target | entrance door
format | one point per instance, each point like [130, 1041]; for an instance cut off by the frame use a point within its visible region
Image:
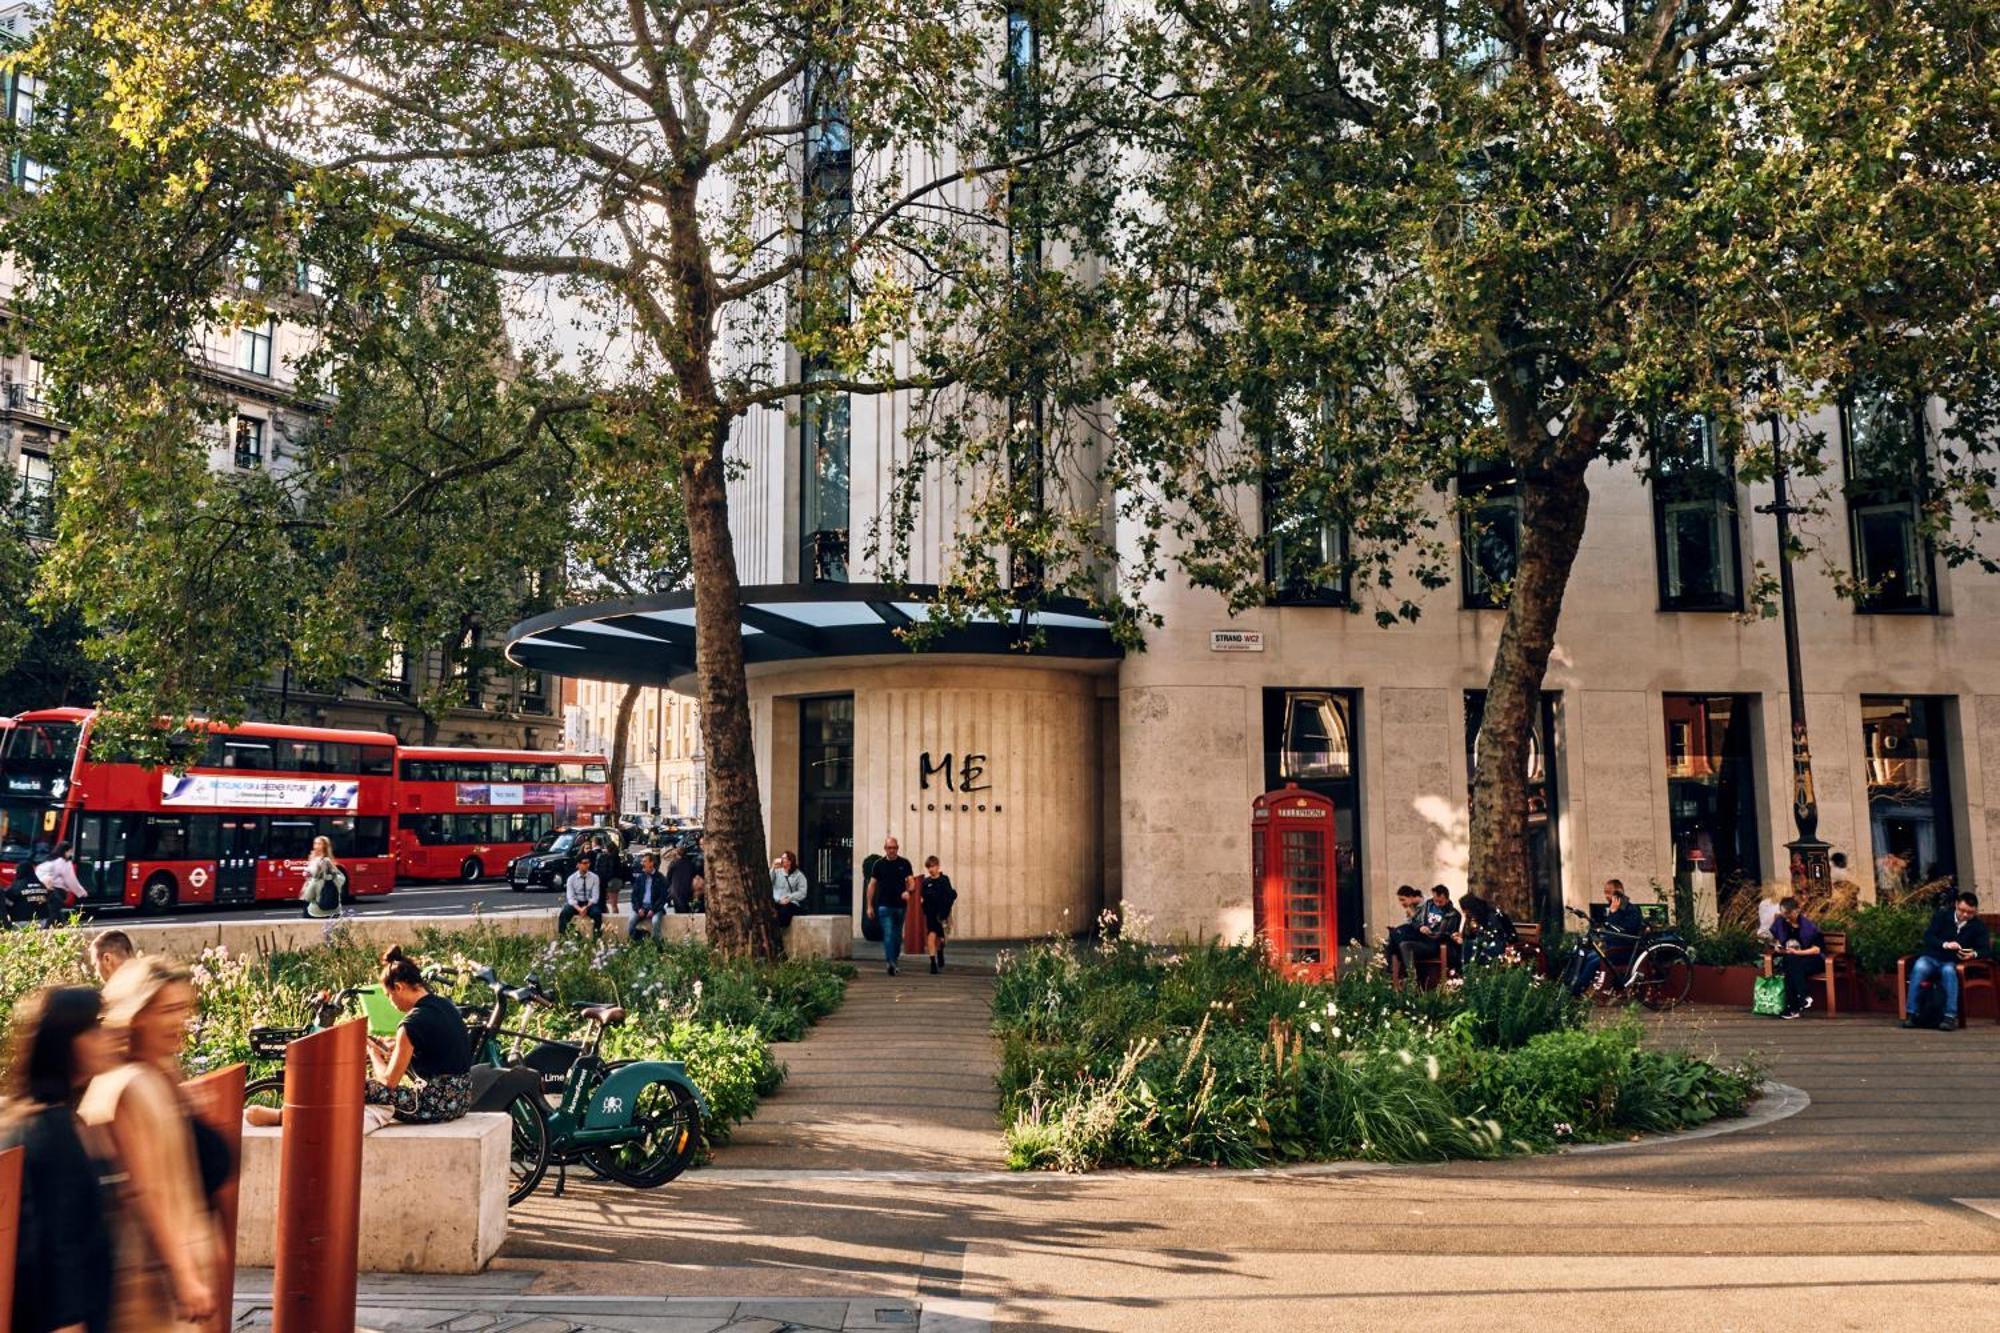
[826, 802]
[240, 845]
[100, 855]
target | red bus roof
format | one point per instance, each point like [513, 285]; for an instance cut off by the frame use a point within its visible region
[276, 730]
[480, 752]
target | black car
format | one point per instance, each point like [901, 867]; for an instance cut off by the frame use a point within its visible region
[554, 859]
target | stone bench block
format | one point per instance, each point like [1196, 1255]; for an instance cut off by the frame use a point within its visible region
[433, 1197]
[820, 937]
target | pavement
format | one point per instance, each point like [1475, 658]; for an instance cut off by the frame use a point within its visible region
[412, 899]
[870, 1183]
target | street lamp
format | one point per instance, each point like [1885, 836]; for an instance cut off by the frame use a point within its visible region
[1811, 869]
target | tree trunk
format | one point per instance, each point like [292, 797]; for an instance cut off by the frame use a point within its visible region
[619, 746]
[1553, 509]
[737, 869]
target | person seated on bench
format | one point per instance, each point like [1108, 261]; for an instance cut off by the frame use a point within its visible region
[1407, 898]
[788, 888]
[1956, 935]
[423, 1076]
[1799, 953]
[1436, 922]
[1617, 938]
[1488, 934]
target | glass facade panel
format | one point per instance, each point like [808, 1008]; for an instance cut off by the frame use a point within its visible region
[1694, 517]
[826, 802]
[1909, 793]
[1309, 738]
[1884, 446]
[1712, 796]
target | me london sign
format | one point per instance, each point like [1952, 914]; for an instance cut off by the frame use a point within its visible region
[954, 785]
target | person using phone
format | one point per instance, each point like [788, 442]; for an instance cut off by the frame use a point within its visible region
[1798, 952]
[1956, 935]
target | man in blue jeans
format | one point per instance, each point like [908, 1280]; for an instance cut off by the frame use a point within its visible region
[888, 887]
[1956, 935]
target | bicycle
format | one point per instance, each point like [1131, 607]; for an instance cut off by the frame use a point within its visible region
[636, 1122]
[1659, 974]
[494, 1087]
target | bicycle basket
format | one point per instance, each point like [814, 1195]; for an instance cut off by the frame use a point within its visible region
[270, 1043]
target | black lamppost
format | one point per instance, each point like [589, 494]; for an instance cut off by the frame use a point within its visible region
[1809, 864]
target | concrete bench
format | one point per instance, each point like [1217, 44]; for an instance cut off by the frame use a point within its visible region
[433, 1197]
[806, 937]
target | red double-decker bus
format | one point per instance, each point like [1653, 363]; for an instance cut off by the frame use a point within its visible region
[464, 814]
[234, 825]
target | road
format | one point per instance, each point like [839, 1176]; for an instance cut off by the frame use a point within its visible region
[490, 896]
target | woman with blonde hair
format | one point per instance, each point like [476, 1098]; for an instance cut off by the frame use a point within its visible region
[168, 1242]
[325, 880]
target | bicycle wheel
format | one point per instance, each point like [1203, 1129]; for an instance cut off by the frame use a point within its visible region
[667, 1124]
[528, 1153]
[265, 1092]
[1663, 978]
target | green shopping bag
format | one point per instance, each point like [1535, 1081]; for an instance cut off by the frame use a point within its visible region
[1767, 996]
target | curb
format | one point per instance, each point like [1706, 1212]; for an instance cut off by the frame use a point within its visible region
[1776, 1101]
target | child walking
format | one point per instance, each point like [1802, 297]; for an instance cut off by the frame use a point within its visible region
[937, 896]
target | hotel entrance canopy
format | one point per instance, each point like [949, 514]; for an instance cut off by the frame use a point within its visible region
[650, 640]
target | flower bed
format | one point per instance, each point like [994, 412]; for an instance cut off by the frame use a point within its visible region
[1123, 1055]
[682, 1000]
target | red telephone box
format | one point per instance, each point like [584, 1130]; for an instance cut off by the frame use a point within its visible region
[1292, 845]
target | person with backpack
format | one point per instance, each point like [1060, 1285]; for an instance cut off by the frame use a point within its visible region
[326, 881]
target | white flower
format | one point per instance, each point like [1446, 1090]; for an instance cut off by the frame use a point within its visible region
[1315, 1025]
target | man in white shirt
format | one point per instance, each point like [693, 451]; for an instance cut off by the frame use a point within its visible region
[583, 894]
[58, 876]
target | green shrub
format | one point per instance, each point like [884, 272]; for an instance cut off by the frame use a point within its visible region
[1878, 934]
[1725, 945]
[1125, 1055]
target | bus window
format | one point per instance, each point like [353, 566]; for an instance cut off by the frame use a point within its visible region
[470, 828]
[428, 828]
[377, 759]
[41, 747]
[204, 836]
[371, 835]
[242, 752]
[596, 773]
[291, 838]
[571, 773]
[164, 838]
[520, 772]
[338, 830]
[308, 757]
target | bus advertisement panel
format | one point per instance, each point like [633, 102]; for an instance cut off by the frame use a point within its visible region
[235, 826]
[464, 814]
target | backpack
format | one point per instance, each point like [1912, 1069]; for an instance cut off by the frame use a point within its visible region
[1930, 1003]
[331, 887]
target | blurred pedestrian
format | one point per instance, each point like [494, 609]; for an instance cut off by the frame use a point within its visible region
[63, 1254]
[683, 880]
[325, 880]
[609, 863]
[58, 877]
[166, 1236]
[109, 951]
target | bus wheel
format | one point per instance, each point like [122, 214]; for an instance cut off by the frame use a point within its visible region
[160, 893]
[472, 872]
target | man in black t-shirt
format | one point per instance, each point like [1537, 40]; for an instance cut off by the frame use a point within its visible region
[888, 889]
[683, 881]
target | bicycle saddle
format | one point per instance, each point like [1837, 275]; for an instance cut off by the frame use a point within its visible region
[609, 1015]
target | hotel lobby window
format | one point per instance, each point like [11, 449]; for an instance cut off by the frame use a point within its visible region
[1882, 446]
[1544, 842]
[1909, 792]
[1712, 795]
[1489, 532]
[1694, 517]
[1309, 738]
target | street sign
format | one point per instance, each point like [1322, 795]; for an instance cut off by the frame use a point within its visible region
[1236, 641]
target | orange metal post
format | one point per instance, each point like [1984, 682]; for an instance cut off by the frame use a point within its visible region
[218, 1099]
[319, 1182]
[10, 1225]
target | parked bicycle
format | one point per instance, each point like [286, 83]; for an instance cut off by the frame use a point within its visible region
[1659, 972]
[637, 1122]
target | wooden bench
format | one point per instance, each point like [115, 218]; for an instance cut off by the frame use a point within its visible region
[1836, 965]
[1529, 933]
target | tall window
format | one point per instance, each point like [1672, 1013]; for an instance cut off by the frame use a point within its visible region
[1544, 842]
[1711, 795]
[24, 96]
[826, 434]
[1305, 547]
[1310, 737]
[253, 347]
[395, 665]
[1694, 517]
[1909, 792]
[1027, 396]
[1883, 447]
[249, 442]
[35, 494]
[1466, 37]
[1489, 532]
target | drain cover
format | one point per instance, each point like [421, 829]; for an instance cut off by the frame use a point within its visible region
[895, 1316]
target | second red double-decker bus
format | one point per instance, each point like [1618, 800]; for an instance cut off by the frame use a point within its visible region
[235, 824]
[464, 814]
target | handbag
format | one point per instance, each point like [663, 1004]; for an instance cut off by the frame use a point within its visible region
[1767, 996]
[871, 927]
